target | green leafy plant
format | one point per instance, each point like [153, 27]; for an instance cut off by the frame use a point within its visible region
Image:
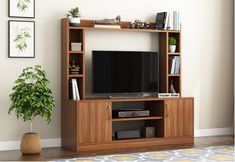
[23, 5]
[172, 41]
[21, 37]
[31, 96]
[73, 12]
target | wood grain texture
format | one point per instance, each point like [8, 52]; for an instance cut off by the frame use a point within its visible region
[94, 122]
[163, 60]
[136, 143]
[70, 126]
[188, 117]
[179, 118]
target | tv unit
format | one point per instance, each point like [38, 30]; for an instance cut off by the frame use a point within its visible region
[119, 72]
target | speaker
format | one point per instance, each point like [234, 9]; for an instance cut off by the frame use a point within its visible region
[128, 134]
[149, 132]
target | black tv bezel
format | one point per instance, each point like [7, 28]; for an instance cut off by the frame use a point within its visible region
[137, 93]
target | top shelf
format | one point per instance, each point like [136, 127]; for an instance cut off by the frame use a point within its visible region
[126, 29]
[125, 26]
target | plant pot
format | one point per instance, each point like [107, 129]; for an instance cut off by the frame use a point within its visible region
[172, 48]
[30, 143]
[74, 21]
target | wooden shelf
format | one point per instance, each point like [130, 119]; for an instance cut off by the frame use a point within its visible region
[137, 139]
[135, 119]
[125, 29]
[174, 75]
[174, 54]
[75, 75]
[76, 52]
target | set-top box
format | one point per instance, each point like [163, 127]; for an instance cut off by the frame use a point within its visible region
[130, 113]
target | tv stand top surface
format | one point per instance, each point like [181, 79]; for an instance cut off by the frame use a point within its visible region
[129, 95]
[142, 99]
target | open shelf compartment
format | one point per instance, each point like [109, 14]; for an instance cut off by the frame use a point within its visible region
[154, 121]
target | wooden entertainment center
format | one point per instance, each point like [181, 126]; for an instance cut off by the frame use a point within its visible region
[88, 124]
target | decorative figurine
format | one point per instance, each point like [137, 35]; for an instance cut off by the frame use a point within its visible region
[118, 18]
[74, 68]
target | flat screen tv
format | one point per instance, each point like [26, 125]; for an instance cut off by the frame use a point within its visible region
[125, 72]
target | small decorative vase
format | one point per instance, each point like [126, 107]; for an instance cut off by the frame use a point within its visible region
[172, 48]
[75, 21]
[30, 144]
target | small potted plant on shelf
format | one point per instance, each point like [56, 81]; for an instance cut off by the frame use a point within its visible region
[32, 97]
[74, 16]
[172, 44]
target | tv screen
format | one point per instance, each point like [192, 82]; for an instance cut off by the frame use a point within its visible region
[125, 71]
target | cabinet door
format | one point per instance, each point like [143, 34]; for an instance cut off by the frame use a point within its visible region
[188, 117]
[179, 118]
[94, 122]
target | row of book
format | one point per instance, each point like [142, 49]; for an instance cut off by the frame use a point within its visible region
[168, 20]
[74, 90]
[174, 64]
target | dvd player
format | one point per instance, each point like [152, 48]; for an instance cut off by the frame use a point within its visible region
[130, 113]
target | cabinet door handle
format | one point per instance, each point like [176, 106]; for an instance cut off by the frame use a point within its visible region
[110, 112]
[167, 110]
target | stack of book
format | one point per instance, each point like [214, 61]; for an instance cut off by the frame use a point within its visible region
[75, 92]
[174, 64]
[107, 23]
[168, 21]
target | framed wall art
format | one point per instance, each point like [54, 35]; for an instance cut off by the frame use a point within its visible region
[21, 8]
[21, 39]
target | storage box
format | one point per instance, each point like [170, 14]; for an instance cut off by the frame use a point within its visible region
[76, 46]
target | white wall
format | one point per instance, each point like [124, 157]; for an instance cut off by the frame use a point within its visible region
[207, 54]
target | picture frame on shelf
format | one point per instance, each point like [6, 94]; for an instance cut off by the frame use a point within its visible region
[21, 39]
[21, 8]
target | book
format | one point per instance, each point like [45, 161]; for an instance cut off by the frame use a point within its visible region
[173, 20]
[173, 65]
[76, 90]
[73, 90]
[107, 26]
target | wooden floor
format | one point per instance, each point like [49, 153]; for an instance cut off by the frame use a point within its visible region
[58, 153]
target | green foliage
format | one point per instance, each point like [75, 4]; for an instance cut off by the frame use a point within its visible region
[31, 95]
[22, 5]
[172, 41]
[20, 39]
[73, 12]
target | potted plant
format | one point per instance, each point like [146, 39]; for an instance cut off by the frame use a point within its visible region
[32, 97]
[172, 44]
[74, 16]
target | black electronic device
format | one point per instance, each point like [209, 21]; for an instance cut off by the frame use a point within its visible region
[161, 20]
[117, 72]
[127, 134]
[131, 113]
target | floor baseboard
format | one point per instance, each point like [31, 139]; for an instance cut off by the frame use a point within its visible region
[15, 145]
[213, 132]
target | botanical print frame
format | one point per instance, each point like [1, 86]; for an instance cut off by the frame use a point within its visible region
[21, 8]
[21, 39]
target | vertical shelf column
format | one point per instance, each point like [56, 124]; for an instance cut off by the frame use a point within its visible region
[163, 60]
[174, 64]
[72, 58]
[77, 58]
